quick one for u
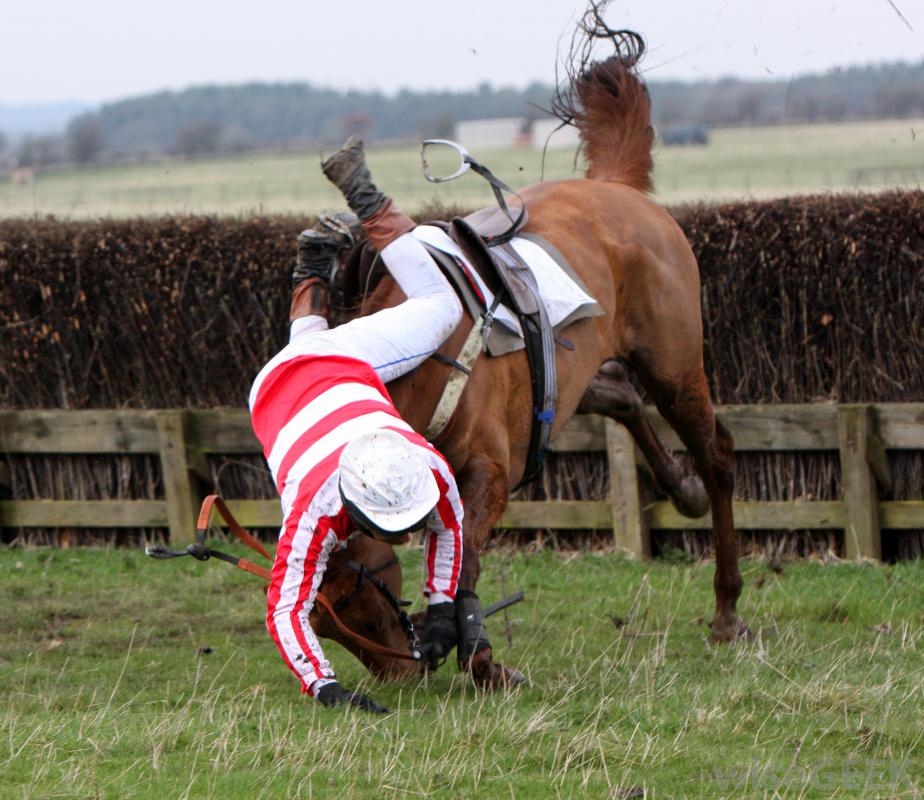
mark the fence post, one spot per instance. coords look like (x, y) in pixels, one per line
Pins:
(630, 527)
(180, 490)
(862, 538)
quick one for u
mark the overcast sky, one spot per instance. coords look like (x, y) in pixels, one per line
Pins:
(100, 50)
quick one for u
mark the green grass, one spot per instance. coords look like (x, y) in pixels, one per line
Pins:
(105, 690)
(738, 163)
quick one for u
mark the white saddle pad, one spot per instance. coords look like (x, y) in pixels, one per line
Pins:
(560, 294)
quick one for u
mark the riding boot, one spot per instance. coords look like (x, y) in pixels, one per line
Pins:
(310, 298)
(386, 225)
(470, 622)
(347, 170)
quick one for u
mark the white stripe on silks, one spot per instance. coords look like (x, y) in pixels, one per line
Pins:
(288, 597)
(299, 345)
(331, 400)
(328, 443)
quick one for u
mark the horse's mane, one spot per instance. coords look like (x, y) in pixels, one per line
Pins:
(608, 102)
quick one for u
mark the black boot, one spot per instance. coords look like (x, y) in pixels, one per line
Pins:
(470, 621)
(347, 170)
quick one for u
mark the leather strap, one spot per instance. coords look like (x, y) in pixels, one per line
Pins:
(214, 501)
(362, 641)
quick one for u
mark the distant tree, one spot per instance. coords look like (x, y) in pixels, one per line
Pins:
(84, 138)
(748, 104)
(443, 126)
(235, 139)
(3, 143)
(903, 100)
(804, 108)
(359, 122)
(40, 151)
(198, 138)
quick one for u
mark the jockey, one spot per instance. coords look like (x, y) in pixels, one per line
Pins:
(343, 460)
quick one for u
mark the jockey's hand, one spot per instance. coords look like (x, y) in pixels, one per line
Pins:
(333, 694)
(439, 634)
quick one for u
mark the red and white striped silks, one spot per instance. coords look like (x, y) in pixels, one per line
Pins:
(318, 393)
(305, 410)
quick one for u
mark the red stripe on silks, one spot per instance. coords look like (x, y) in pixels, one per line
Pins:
(431, 560)
(448, 516)
(343, 526)
(274, 634)
(272, 601)
(315, 479)
(294, 383)
(324, 426)
(306, 491)
(304, 590)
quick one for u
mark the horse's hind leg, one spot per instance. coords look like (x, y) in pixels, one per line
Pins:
(684, 402)
(612, 395)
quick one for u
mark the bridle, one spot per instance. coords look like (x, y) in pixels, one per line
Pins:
(369, 575)
(201, 552)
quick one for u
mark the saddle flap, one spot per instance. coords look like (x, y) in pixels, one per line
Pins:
(493, 225)
(497, 264)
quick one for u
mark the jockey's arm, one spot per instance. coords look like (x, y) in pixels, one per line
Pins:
(297, 573)
(443, 542)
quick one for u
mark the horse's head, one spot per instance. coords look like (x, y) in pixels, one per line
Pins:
(364, 600)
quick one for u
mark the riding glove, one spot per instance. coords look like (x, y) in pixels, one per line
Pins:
(333, 694)
(439, 633)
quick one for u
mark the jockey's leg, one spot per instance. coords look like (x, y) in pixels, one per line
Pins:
(347, 170)
(394, 340)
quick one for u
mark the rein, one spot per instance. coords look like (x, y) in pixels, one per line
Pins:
(201, 552)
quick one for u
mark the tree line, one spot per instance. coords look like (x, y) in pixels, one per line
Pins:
(210, 120)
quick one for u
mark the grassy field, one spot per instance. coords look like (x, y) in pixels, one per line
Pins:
(125, 678)
(738, 163)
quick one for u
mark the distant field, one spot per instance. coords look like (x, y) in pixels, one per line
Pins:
(738, 163)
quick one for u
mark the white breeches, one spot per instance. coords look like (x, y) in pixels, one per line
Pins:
(395, 340)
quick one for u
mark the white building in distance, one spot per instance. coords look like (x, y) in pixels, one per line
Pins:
(482, 134)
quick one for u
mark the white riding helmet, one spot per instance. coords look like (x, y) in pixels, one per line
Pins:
(385, 482)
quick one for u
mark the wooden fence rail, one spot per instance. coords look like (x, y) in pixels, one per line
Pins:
(860, 433)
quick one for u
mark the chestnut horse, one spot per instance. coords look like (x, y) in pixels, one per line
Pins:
(637, 264)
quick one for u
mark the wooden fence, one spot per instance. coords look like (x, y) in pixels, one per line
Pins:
(860, 433)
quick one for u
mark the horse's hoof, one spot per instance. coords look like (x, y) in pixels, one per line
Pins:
(691, 499)
(499, 677)
(490, 676)
(730, 629)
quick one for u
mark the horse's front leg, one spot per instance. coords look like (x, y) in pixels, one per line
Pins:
(484, 488)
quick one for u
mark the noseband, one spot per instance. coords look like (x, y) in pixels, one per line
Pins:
(366, 574)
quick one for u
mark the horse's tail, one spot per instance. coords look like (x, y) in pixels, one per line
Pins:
(608, 103)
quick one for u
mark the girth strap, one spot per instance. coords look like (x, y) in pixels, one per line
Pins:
(539, 337)
(452, 391)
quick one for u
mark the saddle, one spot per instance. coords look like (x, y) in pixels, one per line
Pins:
(484, 237)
